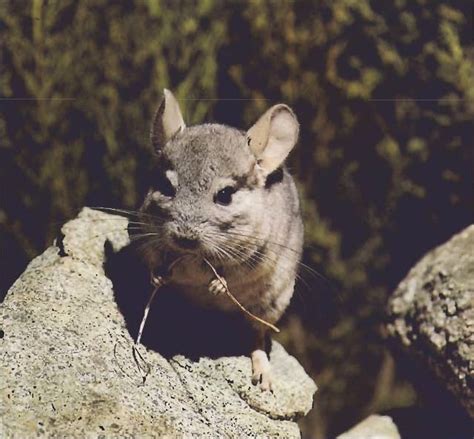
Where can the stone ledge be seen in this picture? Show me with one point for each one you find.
(67, 368)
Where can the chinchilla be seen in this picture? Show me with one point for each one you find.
(223, 195)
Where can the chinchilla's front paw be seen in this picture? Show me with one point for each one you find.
(217, 286)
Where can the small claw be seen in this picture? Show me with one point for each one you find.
(256, 379)
(266, 382)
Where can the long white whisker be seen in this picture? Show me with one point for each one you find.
(238, 254)
(264, 257)
(309, 269)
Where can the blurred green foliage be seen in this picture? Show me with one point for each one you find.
(385, 97)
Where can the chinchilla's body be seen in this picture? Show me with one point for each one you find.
(223, 195)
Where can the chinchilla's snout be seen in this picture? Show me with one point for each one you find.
(184, 237)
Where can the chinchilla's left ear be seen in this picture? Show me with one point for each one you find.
(273, 136)
(167, 122)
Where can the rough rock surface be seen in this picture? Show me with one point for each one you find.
(432, 315)
(66, 362)
(373, 427)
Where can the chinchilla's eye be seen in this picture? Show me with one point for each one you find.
(224, 196)
(163, 185)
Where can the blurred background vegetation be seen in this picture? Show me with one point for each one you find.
(383, 90)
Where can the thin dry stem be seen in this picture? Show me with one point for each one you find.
(232, 297)
(145, 313)
(158, 282)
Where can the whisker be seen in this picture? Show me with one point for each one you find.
(151, 243)
(113, 209)
(269, 241)
(265, 258)
(117, 218)
(278, 254)
(216, 250)
(255, 238)
(239, 255)
(224, 251)
(133, 213)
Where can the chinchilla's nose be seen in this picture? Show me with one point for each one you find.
(184, 236)
(184, 229)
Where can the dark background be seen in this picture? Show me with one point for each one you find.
(385, 96)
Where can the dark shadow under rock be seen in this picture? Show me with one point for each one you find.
(174, 324)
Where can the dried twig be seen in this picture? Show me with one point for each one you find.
(232, 297)
(137, 356)
(158, 282)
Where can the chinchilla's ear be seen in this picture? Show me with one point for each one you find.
(273, 136)
(167, 122)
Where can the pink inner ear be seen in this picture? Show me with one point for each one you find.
(283, 134)
(273, 136)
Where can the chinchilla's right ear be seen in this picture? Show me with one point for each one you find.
(273, 136)
(167, 122)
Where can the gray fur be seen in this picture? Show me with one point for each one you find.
(260, 270)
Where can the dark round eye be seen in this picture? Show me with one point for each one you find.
(163, 185)
(224, 196)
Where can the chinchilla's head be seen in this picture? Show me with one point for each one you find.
(210, 183)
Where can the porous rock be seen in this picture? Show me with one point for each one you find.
(432, 315)
(67, 368)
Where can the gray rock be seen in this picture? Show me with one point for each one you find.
(373, 427)
(432, 315)
(67, 369)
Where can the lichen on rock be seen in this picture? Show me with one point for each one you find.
(432, 315)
